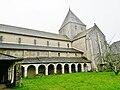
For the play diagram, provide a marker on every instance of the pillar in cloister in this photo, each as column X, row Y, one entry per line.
column 25, row 72
column 76, row 67
column 82, row 67
column 36, row 66
column 63, row 69
column 46, row 70
column 69, row 68
column 55, row 68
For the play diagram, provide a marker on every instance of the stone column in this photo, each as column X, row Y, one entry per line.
column 69, row 68
column 25, row 72
column 63, row 69
column 82, row 67
column 12, row 79
column 36, row 69
column 46, row 70
column 76, row 67
column 55, row 68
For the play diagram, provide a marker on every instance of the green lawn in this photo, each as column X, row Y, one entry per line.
column 74, row 81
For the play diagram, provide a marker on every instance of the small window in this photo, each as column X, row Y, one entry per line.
column 76, row 54
column 75, row 27
column 19, row 40
column 58, row 44
column 81, row 28
column 38, row 53
column 59, row 54
column 68, row 45
column 47, row 43
column 35, row 41
column 1, row 38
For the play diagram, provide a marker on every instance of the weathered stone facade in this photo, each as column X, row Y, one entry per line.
column 115, row 47
column 74, row 49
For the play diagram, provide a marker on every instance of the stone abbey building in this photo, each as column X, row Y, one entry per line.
column 74, row 49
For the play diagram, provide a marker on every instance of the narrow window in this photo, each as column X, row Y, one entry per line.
column 68, row 45
column 35, row 41
column 19, row 40
column 81, row 28
column 1, row 39
column 47, row 43
column 58, row 44
column 76, row 54
column 38, row 53
column 59, row 54
column 75, row 27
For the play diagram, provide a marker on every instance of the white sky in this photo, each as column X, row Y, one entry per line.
column 48, row 15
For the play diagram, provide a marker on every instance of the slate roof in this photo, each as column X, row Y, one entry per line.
column 71, row 17
column 55, row 60
column 31, row 32
column 34, row 47
column 8, row 57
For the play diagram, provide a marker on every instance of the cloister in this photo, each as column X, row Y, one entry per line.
column 54, row 68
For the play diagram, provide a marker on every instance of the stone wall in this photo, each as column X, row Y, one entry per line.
column 30, row 53
column 71, row 29
column 115, row 47
column 28, row 40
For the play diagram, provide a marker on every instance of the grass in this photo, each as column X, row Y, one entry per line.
column 74, row 81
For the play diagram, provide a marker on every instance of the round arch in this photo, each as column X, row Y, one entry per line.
column 66, row 68
column 31, row 70
column 41, row 69
column 73, row 68
column 59, row 69
column 50, row 69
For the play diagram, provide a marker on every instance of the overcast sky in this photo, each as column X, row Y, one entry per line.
column 48, row 15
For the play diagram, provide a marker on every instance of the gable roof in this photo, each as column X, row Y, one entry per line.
column 31, row 32
column 71, row 17
column 86, row 32
column 80, row 35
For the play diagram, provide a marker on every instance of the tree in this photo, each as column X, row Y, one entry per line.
column 113, row 62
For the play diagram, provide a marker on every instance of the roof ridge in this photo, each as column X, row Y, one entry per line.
column 71, row 17
column 31, row 32
column 28, row 29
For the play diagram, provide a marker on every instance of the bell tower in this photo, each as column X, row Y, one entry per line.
column 71, row 25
